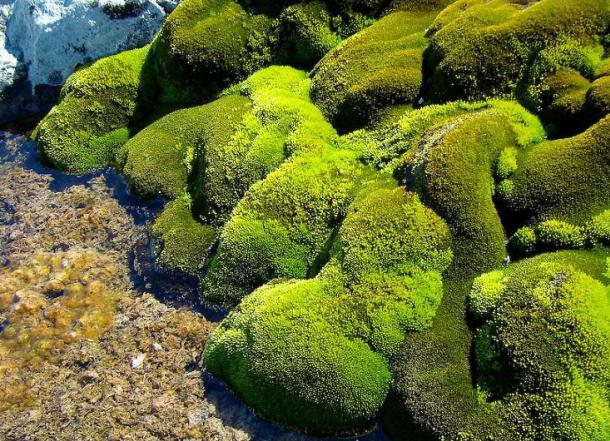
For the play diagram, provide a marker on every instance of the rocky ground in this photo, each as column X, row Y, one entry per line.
column 83, row 355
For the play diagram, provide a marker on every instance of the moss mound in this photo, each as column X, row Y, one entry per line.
column 375, row 68
column 564, row 179
column 158, row 160
column 542, row 352
column 337, row 330
column 481, row 48
column 206, row 45
column 98, row 103
column 181, row 244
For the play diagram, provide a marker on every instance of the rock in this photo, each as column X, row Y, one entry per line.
column 43, row 41
column 138, row 361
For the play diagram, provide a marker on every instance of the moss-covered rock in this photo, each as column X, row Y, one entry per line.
column 542, row 351
column 181, row 244
column 565, row 179
column 284, row 224
column 336, row 331
column 98, row 103
column 159, row 159
column 378, row 67
column 280, row 123
column 206, row 45
column 483, row 48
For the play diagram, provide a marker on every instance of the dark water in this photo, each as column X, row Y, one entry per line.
column 174, row 290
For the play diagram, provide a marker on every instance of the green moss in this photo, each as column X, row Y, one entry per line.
column 598, row 229
column 564, row 179
column 83, row 132
column 282, row 122
column 485, row 294
column 455, row 181
column 378, row 67
column 336, row 331
column 598, row 97
column 181, row 244
column 307, row 33
column 319, row 380
column 523, row 242
column 433, row 397
column 483, row 48
column 507, row 163
column 158, row 160
column 206, row 45
column 554, row 234
column 546, row 338
column 283, row 224
column 387, row 227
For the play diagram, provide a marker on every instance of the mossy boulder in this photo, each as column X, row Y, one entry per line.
column 564, row 179
column 98, row 103
column 337, row 330
column 158, row 159
column 284, row 224
column 207, row 45
column 481, row 48
column 542, row 350
column 181, row 244
column 378, row 67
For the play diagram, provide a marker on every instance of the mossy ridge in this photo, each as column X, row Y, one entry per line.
column 483, row 48
column 98, row 103
column 324, row 324
column 281, row 122
column 181, row 244
column 542, row 349
column 158, row 160
column 433, row 395
column 378, row 67
column 565, row 179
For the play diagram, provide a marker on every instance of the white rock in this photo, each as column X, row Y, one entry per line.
column 48, row 39
column 8, row 62
column 52, row 37
column 138, row 361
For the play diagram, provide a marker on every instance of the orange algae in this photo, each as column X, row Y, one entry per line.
column 47, row 302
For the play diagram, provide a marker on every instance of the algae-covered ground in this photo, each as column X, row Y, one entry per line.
column 403, row 205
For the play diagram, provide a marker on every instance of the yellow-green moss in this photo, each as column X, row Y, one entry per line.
column 82, row 132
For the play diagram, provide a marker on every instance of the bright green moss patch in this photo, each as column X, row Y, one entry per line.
column 181, row 243
column 554, row 234
column 82, row 132
column 336, row 330
column 283, row 224
column 281, row 122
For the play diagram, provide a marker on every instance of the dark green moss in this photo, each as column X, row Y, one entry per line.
column 543, row 353
column 481, row 48
column 207, row 45
column 181, row 244
column 378, row 67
